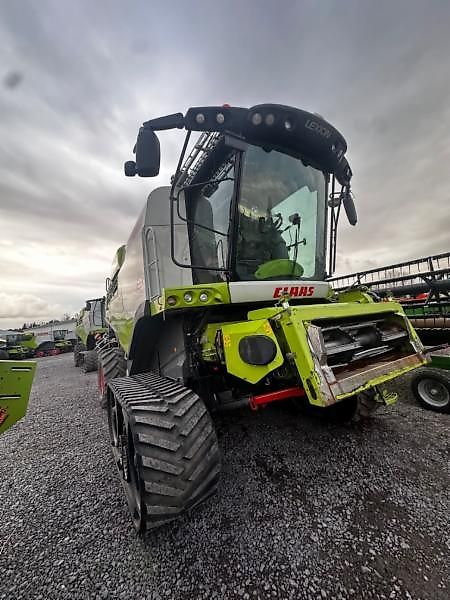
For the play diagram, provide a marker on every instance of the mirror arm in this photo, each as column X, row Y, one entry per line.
column 174, row 121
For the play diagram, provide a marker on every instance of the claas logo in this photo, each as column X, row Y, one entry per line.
column 294, row 291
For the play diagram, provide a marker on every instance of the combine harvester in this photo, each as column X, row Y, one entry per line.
column 90, row 324
column 222, row 301
column 422, row 286
column 19, row 345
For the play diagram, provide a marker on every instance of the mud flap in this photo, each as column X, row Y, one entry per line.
column 16, row 378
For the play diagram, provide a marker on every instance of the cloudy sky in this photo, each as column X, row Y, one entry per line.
column 77, row 77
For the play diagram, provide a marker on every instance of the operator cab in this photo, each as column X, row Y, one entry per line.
column 274, row 230
column 253, row 191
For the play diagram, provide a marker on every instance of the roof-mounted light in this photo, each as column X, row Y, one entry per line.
column 270, row 119
column 200, row 118
column 257, row 118
column 220, row 118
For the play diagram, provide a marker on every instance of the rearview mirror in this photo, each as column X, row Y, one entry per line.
column 350, row 209
column 148, row 155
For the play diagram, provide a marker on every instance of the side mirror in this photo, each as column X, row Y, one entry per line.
column 148, row 155
column 350, row 209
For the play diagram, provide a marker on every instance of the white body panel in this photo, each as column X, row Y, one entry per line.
column 252, row 291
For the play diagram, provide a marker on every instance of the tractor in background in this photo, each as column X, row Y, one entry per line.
column 19, row 346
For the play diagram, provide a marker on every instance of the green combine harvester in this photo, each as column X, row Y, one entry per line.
column 20, row 346
column 221, row 300
column 89, row 325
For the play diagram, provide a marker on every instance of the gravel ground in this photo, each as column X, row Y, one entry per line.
column 305, row 510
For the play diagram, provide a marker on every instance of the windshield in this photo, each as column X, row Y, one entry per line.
column 281, row 231
column 281, row 220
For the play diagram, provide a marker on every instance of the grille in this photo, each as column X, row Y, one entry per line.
column 347, row 343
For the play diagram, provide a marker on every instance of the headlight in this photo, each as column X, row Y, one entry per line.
column 188, row 297
column 203, row 297
column 257, row 119
column 171, row 300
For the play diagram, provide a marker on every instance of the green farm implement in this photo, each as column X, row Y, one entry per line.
column 16, row 379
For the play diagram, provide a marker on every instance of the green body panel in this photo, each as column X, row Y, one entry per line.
column 123, row 322
column 16, row 352
column 28, row 340
column 16, row 379
column 295, row 322
column 440, row 361
column 232, row 335
column 123, row 327
column 354, row 296
column 217, row 293
column 291, row 327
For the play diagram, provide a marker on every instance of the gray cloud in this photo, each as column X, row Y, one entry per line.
column 79, row 78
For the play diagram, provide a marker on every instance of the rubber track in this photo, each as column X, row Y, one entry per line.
column 176, row 444
column 113, row 363
column 90, row 362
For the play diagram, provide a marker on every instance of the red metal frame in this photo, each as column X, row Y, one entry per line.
column 262, row 400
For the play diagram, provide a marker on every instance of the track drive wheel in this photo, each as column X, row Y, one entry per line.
column 165, row 447
column 77, row 357
column 431, row 387
column 90, row 361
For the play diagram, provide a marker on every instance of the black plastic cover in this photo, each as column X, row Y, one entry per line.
column 257, row 349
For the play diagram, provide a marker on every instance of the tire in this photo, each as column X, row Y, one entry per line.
column 90, row 361
column 77, row 356
column 431, row 388
column 4, row 355
column 165, row 446
column 112, row 364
